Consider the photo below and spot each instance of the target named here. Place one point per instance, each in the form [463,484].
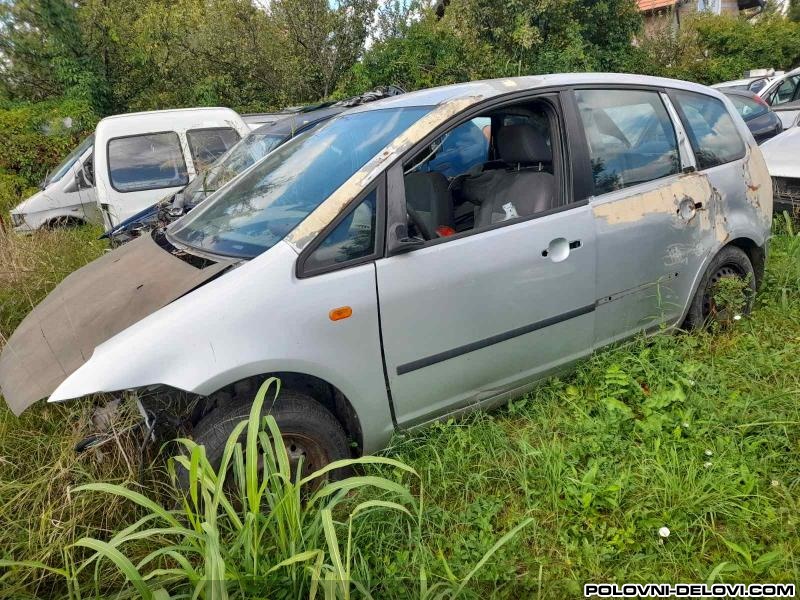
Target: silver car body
[448,326]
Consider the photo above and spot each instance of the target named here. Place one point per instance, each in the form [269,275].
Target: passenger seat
[521,189]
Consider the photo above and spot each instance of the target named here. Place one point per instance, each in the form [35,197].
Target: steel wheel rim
[300,447]
[725,270]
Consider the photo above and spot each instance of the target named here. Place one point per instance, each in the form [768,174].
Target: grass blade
[102,549]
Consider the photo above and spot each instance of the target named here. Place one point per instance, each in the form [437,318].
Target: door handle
[688,208]
[559,249]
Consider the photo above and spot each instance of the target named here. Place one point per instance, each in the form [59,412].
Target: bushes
[710,48]
[37,136]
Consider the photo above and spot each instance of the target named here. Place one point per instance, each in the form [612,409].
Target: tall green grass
[249,527]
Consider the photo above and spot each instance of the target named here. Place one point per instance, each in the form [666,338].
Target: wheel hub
[301,448]
[710,308]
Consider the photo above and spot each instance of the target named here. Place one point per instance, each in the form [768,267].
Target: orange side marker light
[343,312]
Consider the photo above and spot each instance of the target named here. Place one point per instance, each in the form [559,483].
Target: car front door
[653,214]
[84,178]
[480,314]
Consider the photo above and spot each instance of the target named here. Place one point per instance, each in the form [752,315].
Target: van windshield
[67,163]
[266,204]
[243,155]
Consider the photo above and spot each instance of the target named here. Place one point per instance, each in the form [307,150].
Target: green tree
[46,55]
[483,38]
[325,38]
[712,48]
[794,10]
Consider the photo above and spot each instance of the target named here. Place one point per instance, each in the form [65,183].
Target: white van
[127,164]
[66,197]
[139,161]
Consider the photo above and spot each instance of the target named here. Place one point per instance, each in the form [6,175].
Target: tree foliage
[143,54]
[483,38]
[122,55]
[712,48]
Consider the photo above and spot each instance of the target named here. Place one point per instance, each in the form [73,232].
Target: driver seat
[429,195]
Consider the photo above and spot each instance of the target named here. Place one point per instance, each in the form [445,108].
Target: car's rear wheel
[311,433]
[730,262]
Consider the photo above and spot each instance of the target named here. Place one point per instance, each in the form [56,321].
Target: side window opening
[146,162]
[710,128]
[496,167]
[630,136]
[785,92]
[352,239]
[88,169]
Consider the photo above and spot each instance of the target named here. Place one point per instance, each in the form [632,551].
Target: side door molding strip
[490,341]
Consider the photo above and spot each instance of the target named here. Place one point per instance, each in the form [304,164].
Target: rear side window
[146,162]
[207,145]
[748,108]
[711,129]
[631,138]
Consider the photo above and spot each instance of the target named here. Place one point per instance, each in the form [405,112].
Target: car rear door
[481,314]
[653,213]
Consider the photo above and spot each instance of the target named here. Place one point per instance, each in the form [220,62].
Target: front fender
[257,319]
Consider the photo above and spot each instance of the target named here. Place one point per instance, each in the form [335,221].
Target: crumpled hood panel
[90,306]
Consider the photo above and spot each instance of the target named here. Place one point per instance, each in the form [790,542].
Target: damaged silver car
[388,288]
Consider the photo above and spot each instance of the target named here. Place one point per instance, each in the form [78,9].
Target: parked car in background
[129,160]
[66,196]
[788,113]
[386,293]
[782,154]
[140,157]
[754,80]
[760,120]
[256,120]
[255,146]
[783,96]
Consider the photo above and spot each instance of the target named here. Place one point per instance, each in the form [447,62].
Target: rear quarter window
[711,129]
[146,162]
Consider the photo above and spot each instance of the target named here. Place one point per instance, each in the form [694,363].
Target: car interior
[496,167]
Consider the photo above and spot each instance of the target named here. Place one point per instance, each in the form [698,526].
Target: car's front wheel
[312,435]
[727,289]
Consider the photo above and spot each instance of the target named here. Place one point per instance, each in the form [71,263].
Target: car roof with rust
[489,88]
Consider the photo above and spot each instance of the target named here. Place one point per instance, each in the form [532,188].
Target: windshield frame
[347,185]
[69,161]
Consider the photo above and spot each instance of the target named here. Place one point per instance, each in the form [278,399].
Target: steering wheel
[419,223]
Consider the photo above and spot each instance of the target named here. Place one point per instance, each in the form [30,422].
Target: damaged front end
[91,306]
[150,414]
